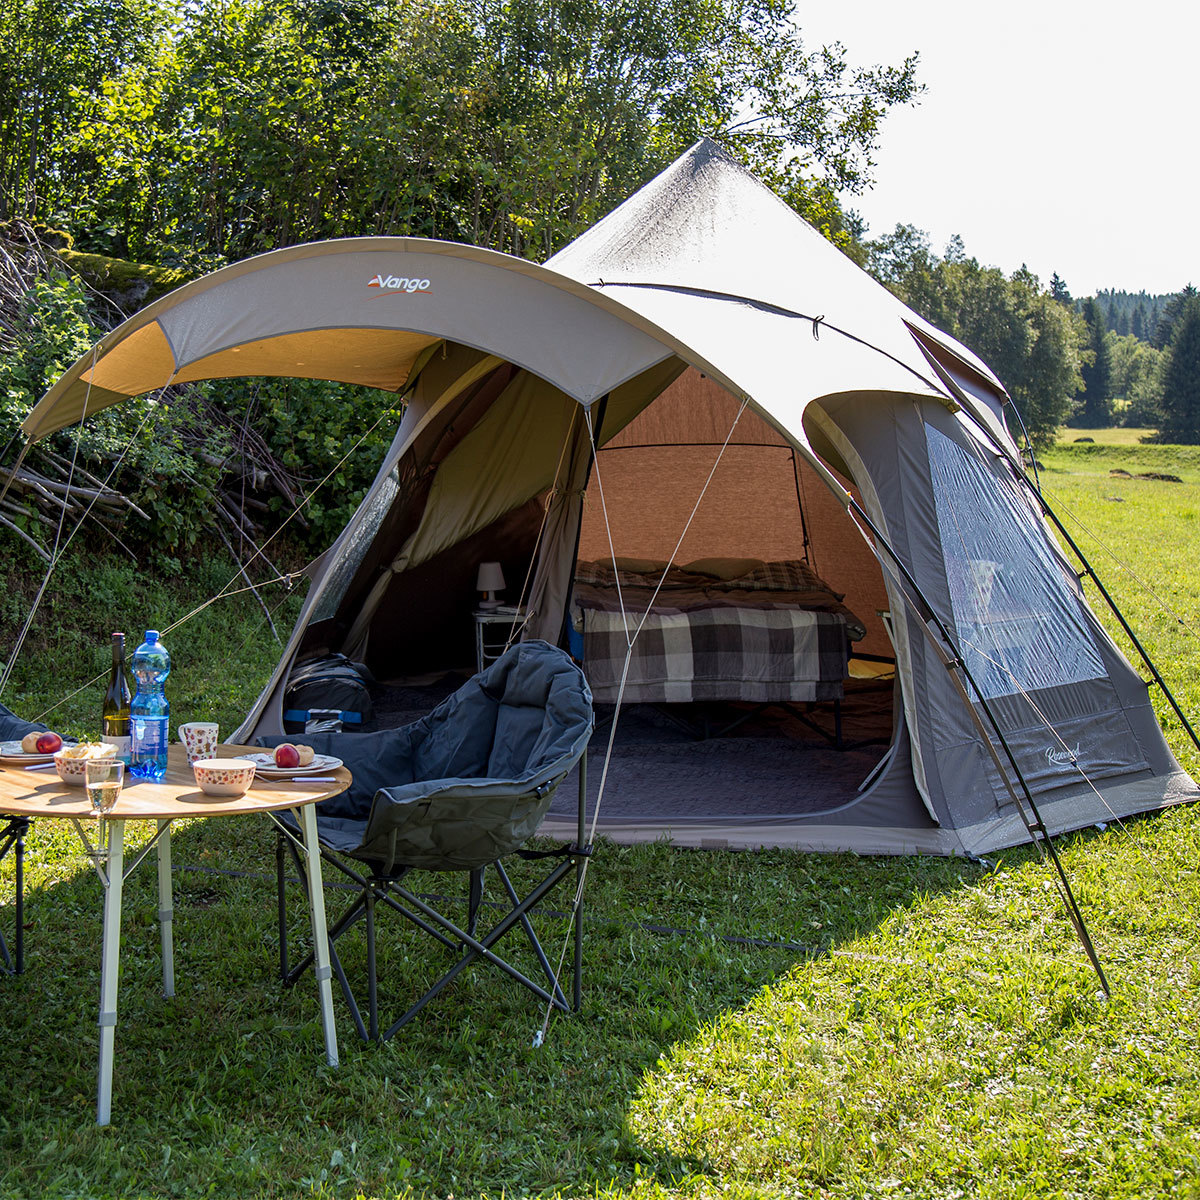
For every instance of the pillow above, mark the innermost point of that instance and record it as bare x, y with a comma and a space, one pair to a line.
723, 568
603, 574
650, 573
787, 575
640, 566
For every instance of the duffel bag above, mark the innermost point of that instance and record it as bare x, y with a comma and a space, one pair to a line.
328, 694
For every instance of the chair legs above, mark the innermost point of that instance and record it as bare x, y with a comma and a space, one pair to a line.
389, 890
12, 837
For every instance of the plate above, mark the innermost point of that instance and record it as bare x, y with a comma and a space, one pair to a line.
264, 765
11, 752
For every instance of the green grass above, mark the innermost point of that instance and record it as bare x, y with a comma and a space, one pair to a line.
220, 657
1115, 436
1102, 458
826, 1026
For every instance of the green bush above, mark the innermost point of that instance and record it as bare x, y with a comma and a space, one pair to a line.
53, 330
141, 447
329, 438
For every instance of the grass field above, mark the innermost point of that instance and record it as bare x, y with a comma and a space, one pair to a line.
826, 1026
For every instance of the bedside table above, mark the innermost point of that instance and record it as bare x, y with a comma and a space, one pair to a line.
494, 629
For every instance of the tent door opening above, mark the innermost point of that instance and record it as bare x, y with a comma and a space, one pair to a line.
766, 657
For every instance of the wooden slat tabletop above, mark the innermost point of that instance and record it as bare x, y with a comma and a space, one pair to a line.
42, 794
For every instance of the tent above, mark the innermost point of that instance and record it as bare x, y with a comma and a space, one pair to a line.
571, 411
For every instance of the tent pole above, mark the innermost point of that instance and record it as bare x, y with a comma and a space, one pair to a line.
955, 662
12, 472
800, 505
1035, 486
594, 440
581, 835
1112, 604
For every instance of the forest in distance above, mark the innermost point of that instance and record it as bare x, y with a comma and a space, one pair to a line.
146, 142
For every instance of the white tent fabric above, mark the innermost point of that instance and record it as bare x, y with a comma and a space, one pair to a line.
707, 252
359, 310
703, 268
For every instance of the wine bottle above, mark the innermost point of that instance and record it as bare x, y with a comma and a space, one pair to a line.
115, 722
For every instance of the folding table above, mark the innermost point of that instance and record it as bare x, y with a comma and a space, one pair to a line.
32, 794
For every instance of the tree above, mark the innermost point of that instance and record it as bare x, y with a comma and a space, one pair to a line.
1030, 340
1164, 329
1059, 290
54, 57
1137, 323
513, 124
1096, 410
1181, 378
1136, 380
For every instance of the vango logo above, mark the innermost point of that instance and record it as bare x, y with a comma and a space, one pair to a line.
397, 283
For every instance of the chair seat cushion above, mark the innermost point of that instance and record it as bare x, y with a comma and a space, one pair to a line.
455, 826
470, 782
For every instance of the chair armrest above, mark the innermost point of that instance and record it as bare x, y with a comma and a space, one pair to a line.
375, 760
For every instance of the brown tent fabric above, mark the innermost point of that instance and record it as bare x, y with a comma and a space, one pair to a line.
846, 397
763, 501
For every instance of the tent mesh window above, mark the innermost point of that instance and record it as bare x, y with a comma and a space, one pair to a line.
1015, 615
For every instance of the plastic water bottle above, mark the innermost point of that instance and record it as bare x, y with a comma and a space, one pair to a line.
149, 711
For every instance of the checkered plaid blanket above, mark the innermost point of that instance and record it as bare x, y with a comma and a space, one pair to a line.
725, 652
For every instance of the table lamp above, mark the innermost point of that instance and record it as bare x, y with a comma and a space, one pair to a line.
489, 581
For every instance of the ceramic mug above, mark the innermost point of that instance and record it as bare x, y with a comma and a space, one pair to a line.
199, 739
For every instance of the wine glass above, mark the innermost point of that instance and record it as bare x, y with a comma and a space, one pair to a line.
103, 778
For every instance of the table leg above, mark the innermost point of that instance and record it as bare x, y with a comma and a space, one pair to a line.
110, 965
166, 910
19, 940
316, 900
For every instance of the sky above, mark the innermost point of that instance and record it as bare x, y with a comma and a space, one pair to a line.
1058, 134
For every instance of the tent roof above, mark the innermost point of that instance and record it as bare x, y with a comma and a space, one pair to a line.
704, 262
710, 254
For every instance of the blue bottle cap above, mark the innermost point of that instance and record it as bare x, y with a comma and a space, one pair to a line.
152, 636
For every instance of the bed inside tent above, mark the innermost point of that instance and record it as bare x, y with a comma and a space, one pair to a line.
761, 683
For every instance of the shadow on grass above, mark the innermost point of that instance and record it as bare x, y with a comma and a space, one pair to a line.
224, 1086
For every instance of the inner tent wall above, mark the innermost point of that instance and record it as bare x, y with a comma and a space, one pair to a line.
764, 501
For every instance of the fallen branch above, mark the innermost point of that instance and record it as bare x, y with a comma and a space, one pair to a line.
42, 554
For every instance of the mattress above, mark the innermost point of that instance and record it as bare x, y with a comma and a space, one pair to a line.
774, 632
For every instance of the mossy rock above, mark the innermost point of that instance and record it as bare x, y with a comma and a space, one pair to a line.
128, 285
28, 232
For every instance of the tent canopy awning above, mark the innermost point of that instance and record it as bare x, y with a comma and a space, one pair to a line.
361, 311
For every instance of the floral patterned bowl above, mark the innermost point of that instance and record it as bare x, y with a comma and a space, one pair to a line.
71, 761
224, 776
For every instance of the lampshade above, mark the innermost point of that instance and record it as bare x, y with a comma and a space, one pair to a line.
490, 578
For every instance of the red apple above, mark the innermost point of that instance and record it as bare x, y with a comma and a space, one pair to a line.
49, 743
286, 755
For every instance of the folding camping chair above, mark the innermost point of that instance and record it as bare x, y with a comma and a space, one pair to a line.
457, 791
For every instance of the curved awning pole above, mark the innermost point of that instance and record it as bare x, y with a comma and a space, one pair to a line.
946, 649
